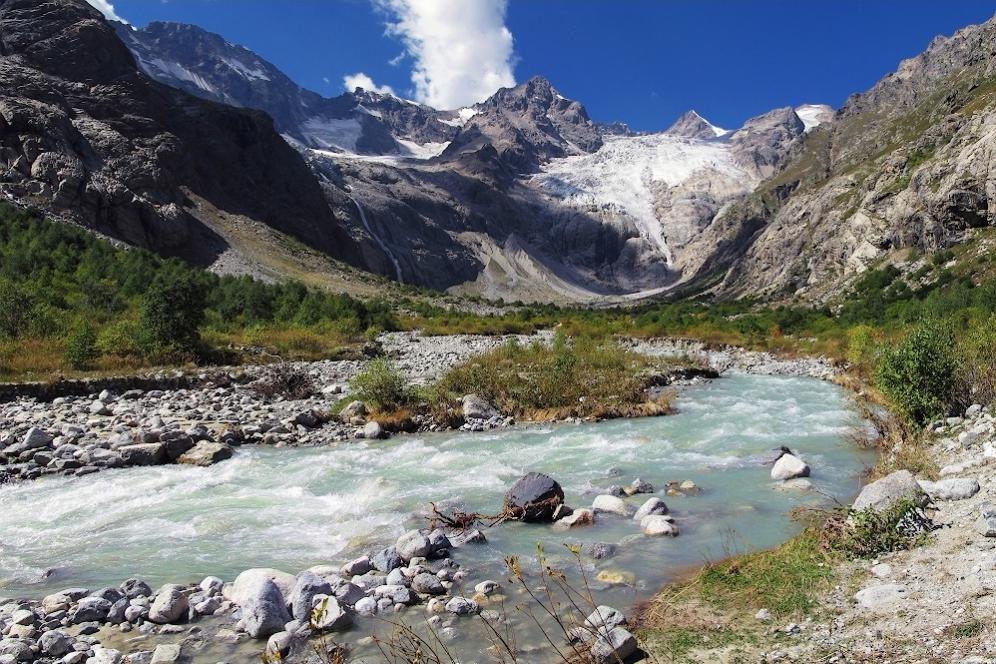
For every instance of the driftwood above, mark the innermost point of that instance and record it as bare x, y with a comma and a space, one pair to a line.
462, 521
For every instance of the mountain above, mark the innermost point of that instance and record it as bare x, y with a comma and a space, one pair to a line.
521, 196
906, 166
87, 137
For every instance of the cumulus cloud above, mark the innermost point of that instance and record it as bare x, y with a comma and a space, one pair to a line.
107, 9
361, 80
461, 49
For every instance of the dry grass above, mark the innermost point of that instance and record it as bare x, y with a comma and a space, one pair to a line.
44, 360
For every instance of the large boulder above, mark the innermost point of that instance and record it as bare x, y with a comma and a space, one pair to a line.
476, 407
206, 453
952, 488
330, 616
413, 544
788, 467
249, 583
143, 454
264, 613
612, 505
882, 494
615, 645
169, 606
534, 498
308, 585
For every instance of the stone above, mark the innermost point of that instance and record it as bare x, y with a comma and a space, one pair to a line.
349, 594
308, 585
612, 505
881, 571
614, 646
16, 650
264, 612
90, 609
763, 615
428, 584
386, 560
658, 525
882, 596
359, 566
653, 506
486, 587
639, 486
413, 544
366, 606
954, 488
329, 615
36, 438
577, 519
206, 453
55, 643
373, 431
102, 655
166, 654
883, 493
249, 583
169, 606
116, 615
604, 618
616, 577
143, 454
279, 646
788, 467
22, 617
478, 408
439, 541
212, 585
534, 498
462, 606
353, 409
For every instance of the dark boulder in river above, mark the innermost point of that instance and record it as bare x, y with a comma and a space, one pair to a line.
534, 498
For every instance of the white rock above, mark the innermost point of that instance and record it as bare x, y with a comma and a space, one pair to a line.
789, 467
658, 525
612, 505
954, 488
881, 596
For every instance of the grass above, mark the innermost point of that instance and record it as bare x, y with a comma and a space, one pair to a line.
578, 377
715, 609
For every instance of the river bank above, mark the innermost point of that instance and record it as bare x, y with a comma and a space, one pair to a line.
931, 603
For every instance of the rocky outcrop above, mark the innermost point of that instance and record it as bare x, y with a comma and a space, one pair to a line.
86, 136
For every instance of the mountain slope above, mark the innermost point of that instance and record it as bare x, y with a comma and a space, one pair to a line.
907, 165
86, 136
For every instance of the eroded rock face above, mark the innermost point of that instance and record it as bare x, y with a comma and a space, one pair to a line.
86, 136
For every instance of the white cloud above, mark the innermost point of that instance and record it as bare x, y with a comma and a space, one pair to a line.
462, 50
107, 9
361, 80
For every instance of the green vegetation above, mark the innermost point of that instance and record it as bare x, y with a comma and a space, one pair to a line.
918, 374
72, 302
580, 377
870, 533
381, 386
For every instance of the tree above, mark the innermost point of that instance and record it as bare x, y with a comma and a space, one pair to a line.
81, 345
172, 312
918, 375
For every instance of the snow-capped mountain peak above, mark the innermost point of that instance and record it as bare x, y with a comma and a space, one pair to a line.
813, 115
693, 125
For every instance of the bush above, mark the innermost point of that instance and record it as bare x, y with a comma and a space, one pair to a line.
918, 375
172, 312
870, 533
81, 345
861, 346
382, 386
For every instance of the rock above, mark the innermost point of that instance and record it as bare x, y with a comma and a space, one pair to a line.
577, 519
264, 612
36, 438
413, 544
881, 596
366, 606
116, 615
90, 609
133, 588
102, 655
616, 577
206, 453
166, 654
387, 560
22, 617
373, 431
614, 646
307, 586
143, 454
169, 606
250, 582
18, 651
428, 584
439, 542
653, 506
639, 486
955, 488
462, 606
881, 571
329, 615
763, 615
658, 525
212, 585
478, 408
534, 498
800, 484
279, 646
882, 494
357, 567
486, 587
353, 409
788, 467
349, 594
612, 505
604, 618
55, 643
598, 550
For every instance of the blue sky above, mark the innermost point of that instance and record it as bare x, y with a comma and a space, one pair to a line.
639, 61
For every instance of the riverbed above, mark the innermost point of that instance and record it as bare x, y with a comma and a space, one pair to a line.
293, 508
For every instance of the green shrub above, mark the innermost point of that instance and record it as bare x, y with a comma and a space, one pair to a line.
382, 386
870, 532
172, 312
918, 375
81, 345
861, 346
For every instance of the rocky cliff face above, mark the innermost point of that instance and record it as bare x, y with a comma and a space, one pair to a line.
908, 164
86, 136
